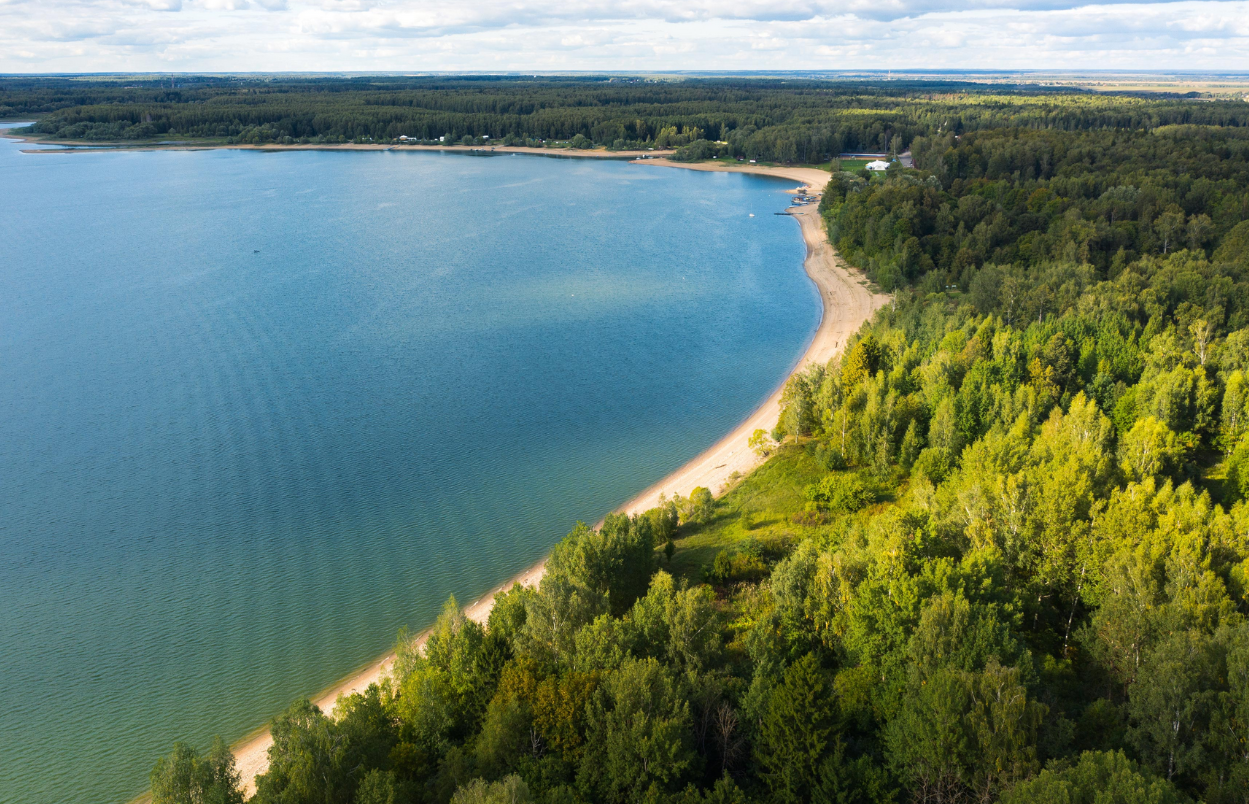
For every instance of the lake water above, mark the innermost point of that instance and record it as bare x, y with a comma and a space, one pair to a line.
259, 411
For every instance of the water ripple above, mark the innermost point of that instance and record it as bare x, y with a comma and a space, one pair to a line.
227, 478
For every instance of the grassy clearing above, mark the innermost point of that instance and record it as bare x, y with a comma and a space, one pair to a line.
758, 508
754, 522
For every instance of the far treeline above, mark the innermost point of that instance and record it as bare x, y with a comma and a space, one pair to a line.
999, 551
803, 121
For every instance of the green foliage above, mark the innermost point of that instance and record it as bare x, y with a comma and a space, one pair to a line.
797, 731
639, 734
760, 443
315, 758
1150, 449
185, 777
841, 493
697, 510
1043, 443
1237, 482
960, 732
735, 567
378, 787
1098, 778
508, 790
1169, 705
860, 362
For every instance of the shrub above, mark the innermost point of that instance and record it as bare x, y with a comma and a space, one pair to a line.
840, 493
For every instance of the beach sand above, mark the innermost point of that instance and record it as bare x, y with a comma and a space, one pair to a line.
847, 303
251, 754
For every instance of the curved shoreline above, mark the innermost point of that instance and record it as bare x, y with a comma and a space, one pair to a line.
846, 302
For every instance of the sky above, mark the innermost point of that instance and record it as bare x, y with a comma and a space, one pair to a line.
622, 35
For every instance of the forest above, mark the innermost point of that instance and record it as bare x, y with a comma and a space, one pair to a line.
781, 120
998, 551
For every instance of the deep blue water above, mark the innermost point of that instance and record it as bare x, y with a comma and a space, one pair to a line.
259, 411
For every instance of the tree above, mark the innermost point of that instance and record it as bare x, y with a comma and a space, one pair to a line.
629, 549
1227, 741
797, 731
185, 777
591, 572
678, 625
664, 519
929, 741
1168, 226
1150, 449
1237, 484
1003, 725
1170, 704
444, 687
310, 762
760, 443
639, 734
378, 787
840, 494
1098, 778
700, 506
1235, 418
861, 362
508, 790
319, 760
1199, 228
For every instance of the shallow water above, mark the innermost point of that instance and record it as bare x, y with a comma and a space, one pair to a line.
262, 410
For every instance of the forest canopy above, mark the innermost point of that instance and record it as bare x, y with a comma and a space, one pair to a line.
999, 552
790, 120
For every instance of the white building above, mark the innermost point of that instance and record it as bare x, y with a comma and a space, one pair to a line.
879, 164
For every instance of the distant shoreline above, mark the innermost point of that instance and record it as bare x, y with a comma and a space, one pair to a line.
84, 146
846, 302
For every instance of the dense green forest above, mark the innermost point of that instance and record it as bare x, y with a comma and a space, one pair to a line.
999, 551
776, 120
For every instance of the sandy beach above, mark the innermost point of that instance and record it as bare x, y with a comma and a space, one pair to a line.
847, 303
251, 754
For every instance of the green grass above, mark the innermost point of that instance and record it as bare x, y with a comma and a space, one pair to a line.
853, 165
759, 507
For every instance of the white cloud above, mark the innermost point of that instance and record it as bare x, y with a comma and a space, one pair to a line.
400, 35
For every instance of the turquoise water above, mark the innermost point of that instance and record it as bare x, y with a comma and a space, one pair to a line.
262, 410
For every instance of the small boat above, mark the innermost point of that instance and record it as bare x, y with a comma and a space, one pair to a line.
752, 214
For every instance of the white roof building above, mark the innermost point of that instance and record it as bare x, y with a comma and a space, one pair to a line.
879, 164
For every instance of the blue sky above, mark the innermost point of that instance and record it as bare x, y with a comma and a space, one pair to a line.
642, 35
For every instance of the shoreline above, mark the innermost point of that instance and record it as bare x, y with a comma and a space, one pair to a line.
251, 753
846, 302
85, 146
